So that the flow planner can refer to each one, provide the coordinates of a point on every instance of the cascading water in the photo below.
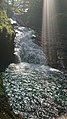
(34, 90)
(26, 49)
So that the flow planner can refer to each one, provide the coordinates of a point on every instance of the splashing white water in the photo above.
(27, 49)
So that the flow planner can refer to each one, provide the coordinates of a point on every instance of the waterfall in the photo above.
(26, 50)
(34, 90)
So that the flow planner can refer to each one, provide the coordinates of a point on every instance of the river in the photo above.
(34, 90)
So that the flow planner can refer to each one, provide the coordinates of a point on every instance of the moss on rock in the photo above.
(5, 24)
(7, 35)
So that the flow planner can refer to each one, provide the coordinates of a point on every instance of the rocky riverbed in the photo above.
(36, 92)
(5, 109)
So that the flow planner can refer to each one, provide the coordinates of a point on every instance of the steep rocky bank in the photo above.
(7, 36)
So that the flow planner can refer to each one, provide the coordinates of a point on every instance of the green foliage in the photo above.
(5, 25)
(18, 6)
(30, 10)
(7, 35)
